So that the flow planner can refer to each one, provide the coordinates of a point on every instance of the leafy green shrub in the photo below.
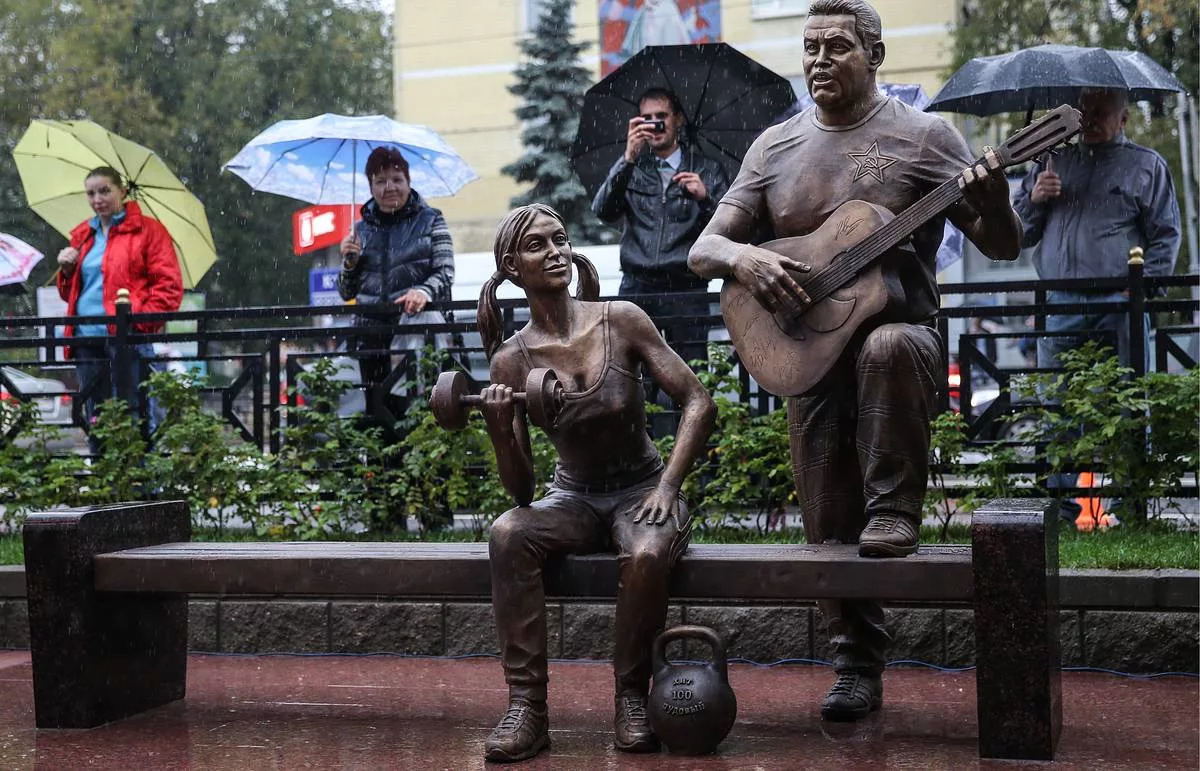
(33, 477)
(447, 471)
(198, 458)
(987, 479)
(1142, 431)
(118, 471)
(331, 474)
(749, 473)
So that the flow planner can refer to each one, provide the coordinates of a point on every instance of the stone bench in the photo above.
(107, 591)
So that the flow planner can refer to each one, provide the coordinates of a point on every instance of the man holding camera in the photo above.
(665, 192)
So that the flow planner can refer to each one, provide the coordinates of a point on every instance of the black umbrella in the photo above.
(1046, 76)
(727, 98)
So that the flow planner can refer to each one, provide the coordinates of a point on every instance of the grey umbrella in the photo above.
(1046, 76)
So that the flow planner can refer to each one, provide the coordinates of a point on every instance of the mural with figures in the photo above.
(628, 25)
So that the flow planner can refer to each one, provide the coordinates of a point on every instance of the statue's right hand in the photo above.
(67, 258)
(765, 274)
(498, 406)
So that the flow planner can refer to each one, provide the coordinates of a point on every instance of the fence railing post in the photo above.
(123, 358)
(1137, 312)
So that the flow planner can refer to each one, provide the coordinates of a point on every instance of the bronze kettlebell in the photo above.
(692, 706)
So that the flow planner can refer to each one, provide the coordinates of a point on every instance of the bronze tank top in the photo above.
(600, 434)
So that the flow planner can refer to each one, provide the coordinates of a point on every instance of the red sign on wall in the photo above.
(317, 227)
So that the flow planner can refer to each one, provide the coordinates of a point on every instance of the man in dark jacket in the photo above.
(1085, 208)
(666, 193)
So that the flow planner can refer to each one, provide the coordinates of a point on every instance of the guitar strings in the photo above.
(825, 282)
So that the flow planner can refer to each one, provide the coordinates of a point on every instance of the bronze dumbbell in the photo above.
(542, 397)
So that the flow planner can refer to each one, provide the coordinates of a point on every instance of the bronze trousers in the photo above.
(860, 447)
(567, 522)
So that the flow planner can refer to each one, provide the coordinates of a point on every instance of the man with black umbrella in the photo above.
(860, 437)
(665, 193)
(1086, 206)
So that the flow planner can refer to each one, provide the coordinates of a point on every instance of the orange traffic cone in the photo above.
(1091, 508)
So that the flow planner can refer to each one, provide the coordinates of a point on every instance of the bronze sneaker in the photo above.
(888, 535)
(853, 696)
(631, 725)
(523, 732)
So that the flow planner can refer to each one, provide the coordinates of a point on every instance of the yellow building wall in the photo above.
(453, 60)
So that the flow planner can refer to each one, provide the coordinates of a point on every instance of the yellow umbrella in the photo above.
(53, 157)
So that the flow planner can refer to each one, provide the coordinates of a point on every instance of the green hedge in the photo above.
(334, 476)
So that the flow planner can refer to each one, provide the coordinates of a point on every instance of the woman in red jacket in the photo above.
(119, 248)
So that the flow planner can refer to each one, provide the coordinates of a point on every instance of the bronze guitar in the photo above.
(788, 355)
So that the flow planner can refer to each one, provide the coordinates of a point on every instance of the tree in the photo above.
(25, 32)
(193, 80)
(1168, 31)
(551, 85)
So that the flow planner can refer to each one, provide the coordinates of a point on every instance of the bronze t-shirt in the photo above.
(798, 172)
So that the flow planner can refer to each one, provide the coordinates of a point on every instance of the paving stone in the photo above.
(587, 630)
(14, 624)
(393, 627)
(471, 629)
(960, 638)
(1070, 638)
(762, 634)
(274, 627)
(202, 626)
(917, 634)
(1141, 642)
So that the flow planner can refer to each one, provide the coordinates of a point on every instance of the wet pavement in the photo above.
(389, 712)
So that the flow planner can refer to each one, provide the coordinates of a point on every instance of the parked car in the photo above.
(52, 397)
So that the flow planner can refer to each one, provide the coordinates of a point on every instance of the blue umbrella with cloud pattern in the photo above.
(320, 160)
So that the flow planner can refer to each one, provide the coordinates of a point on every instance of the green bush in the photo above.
(331, 474)
(1141, 432)
(32, 477)
(987, 479)
(336, 476)
(197, 457)
(747, 474)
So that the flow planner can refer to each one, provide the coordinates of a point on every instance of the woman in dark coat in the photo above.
(400, 252)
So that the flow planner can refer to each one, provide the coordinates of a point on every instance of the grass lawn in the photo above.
(1122, 548)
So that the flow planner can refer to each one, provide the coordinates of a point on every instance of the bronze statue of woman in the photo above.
(611, 489)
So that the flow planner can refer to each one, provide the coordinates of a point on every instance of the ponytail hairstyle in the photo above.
(508, 236)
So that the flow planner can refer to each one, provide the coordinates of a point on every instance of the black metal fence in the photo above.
(254, 355)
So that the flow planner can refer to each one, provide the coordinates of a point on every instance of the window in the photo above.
(771, 9)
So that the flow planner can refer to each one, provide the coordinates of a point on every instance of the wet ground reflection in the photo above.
(383, 712)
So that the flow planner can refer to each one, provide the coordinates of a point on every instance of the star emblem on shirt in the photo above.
(870, 161)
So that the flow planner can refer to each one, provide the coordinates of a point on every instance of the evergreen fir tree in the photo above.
(551, 85)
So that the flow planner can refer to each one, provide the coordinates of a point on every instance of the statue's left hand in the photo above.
(985, 185)
(659, 506)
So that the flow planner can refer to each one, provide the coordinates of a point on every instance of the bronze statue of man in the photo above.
(611, 489)
(859, 437)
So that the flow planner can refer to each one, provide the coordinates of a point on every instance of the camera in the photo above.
(657, 126)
